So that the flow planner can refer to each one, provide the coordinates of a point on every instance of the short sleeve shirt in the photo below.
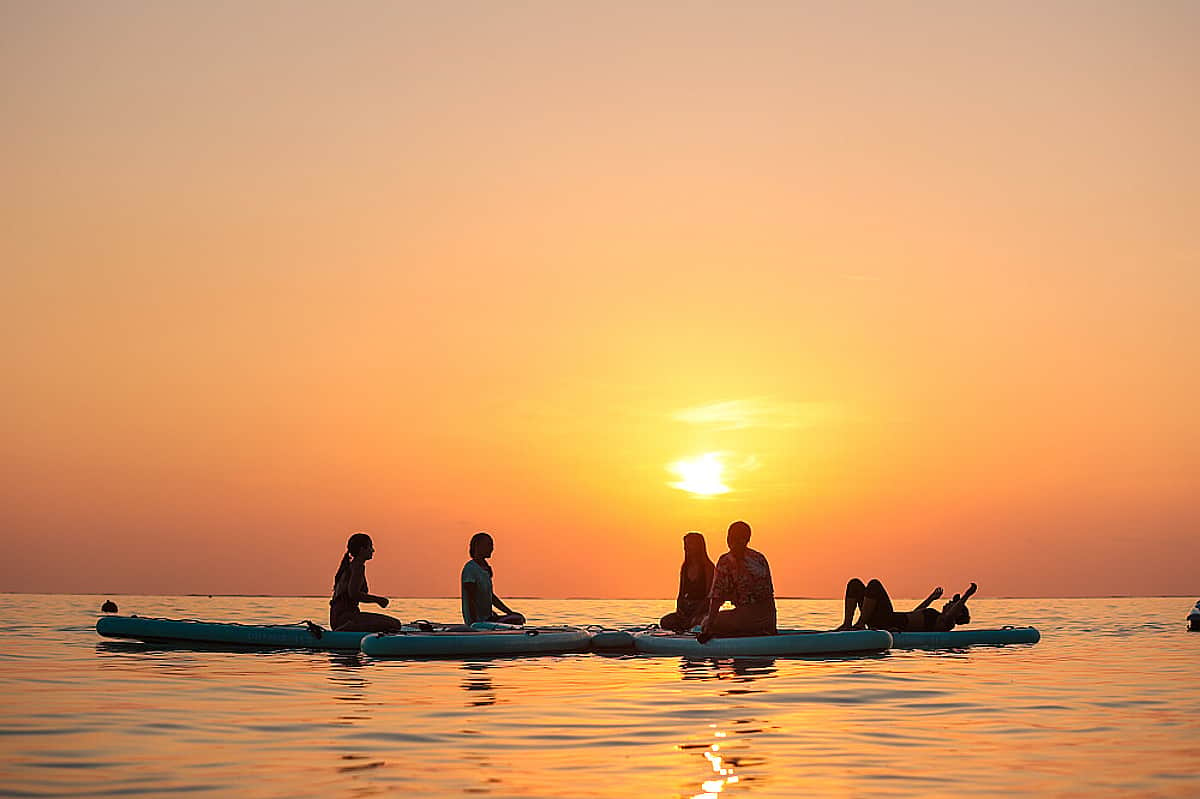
(743, 583)
(477, 603)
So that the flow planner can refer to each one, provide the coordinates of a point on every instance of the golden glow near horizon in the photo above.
(701, 475)
(875, 281)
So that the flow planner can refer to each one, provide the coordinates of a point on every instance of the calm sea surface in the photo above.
(1108, 704)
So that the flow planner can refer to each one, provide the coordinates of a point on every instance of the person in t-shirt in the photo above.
(743, 577)
(478, 598)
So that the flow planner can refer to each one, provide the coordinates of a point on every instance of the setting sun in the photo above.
(700, 475)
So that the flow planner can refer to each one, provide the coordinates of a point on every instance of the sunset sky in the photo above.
(914, 288)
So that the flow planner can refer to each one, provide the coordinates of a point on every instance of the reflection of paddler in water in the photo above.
(478, 598)
(479, 679)
(350, 588)
(695, 581)
(876, 611)
(739, 669)
(743, 577)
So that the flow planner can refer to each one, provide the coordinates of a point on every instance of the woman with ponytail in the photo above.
(350, 588)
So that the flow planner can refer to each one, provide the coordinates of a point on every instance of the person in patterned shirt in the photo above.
(743, 577)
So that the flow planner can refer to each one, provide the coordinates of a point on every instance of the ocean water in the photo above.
(1108, 704)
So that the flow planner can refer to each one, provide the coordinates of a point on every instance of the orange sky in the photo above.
(926, 279)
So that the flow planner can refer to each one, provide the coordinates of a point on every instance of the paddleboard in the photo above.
(612, 641)
(786, 642)
(485, 643)
(957, 638)
(255, 636)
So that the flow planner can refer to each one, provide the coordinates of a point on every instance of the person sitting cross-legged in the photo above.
(743, 577)
(478, 598)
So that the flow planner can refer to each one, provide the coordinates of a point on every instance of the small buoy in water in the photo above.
(108, 607)
(1194, 619)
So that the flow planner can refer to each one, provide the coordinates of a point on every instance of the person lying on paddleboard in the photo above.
(743, 577)
(350, 588)
(876, 611)
(478, 599)
(695, 581)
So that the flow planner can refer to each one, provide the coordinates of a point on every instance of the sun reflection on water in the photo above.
(721, 768)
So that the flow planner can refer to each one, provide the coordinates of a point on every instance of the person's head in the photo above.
(964, 613)
(481, 545)
(694, 546)
(360, 546)
(738, 537)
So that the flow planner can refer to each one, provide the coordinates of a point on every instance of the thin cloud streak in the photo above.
(747, 414)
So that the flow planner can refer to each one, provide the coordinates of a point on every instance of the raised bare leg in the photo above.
(854, 599)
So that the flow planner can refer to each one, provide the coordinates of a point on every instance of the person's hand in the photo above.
(383, 601)
(937, 592)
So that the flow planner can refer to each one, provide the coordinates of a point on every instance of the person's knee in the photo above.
(875, 588)
(855, 587)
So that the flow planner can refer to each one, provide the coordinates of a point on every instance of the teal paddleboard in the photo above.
(477, 643)
(252, 636)
(785, 642)
(957, 638)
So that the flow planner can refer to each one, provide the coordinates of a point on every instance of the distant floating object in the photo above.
(1194, 619)
(108, 607)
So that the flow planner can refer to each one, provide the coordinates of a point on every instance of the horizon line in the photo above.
(559, 599)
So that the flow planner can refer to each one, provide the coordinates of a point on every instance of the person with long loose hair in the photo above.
(695, 581)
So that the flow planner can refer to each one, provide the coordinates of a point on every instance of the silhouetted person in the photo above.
(1194, 619)
(350, 588)
(478, 598)
(695, 581)
(876, 611)
(108, 607)
(743, 577)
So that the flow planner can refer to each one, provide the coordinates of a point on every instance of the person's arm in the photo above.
(716, 598)
(358, 587)
(468, 599)
(949, 616)
(499, 603)
(714, 605)
(934, 594)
